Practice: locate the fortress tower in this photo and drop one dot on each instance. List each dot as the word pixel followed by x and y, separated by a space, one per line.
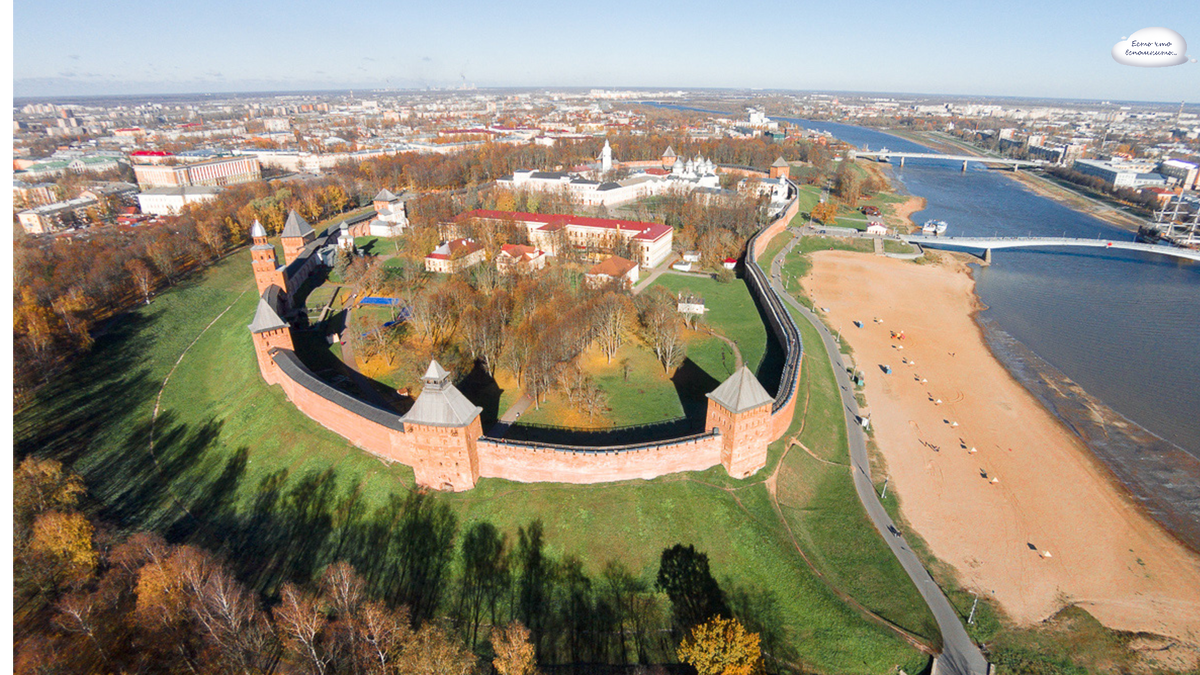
pixel 780 169
pixel 741 409
pixel 443 427
pixel 668 158
pixel 297 234
pixel 269 332
pixel 383 200
pixel 264 260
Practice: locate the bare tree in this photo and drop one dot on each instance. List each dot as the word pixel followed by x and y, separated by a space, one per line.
pixel 301 621
pixel 434 651
pixel 79 613
pixel 162 252
pixel 384 634
pixel 613 317
pixel 143 276
pixel 661 327
pixel 228 615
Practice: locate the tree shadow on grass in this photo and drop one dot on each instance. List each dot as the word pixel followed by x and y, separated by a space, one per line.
pixel 481 389
pixel 97 392
pixel 691 384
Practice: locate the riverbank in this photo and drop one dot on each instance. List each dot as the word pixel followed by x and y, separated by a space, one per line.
pixel 1045 188
pixel 994 483
pixel 1034 183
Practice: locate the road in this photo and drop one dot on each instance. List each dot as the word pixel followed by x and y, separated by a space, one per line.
pixel 960 655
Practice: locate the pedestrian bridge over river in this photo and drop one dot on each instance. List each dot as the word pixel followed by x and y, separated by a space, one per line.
pixel 986 244
pixel 888 155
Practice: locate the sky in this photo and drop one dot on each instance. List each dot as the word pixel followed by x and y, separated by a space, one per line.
pixel 1048 48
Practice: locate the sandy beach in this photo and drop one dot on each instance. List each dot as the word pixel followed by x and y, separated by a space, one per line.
pixel 996 485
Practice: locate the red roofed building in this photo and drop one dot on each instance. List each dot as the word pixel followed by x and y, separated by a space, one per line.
pixel 519 259
pixel 150 156
pixel 454 256
pixel 650 242
pixel 613 268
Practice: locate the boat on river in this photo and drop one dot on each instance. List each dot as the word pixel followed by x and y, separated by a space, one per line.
pixel 934 227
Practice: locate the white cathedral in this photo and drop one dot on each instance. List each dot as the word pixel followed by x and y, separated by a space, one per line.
pixel 685 175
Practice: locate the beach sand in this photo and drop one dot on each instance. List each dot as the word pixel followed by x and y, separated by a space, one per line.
pixel 1030 517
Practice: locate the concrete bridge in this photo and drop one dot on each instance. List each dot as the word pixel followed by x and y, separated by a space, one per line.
pixel 885 155
pixel 986 244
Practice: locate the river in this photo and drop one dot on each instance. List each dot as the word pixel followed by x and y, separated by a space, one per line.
pixel 1108 340
pixel 1124 325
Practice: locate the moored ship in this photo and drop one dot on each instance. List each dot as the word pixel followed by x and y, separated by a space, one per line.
pixel 934 227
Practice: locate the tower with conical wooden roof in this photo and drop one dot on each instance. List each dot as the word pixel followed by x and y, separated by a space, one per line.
pixel 269 331
pixel 264 260
pixel 668 157
pixel 741 409
pixel 297 234
pixel 781 168
pixel 443 428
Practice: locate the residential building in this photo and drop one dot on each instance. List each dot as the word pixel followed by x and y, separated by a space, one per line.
pixel 34 194
pixel 1121 173
pixel 690 304
pixel 519 259
pixel 169 201
pixel 454 256
pixel 612 269
pixel 55 167
pixel 219 172
pixel 1184 174
pixel 648 243
pixel 57 216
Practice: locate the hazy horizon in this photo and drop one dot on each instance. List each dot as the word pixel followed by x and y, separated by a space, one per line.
pixel 1025 49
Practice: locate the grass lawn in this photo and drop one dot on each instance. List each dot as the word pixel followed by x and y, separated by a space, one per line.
pixel 818 499
pixel 648 395
pixel 731 312
pixel 236 468
pixel 893 246
pixel 773 248
pixel 712 355
pixel 377 245
pixel 808 197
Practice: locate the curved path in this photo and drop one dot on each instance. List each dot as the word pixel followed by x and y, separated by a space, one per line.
pixel 960 655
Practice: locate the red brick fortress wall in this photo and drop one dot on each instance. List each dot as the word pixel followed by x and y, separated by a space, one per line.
pixel 455 459
pixel 536 463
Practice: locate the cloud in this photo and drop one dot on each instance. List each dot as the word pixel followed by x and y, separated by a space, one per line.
pixel 1151 48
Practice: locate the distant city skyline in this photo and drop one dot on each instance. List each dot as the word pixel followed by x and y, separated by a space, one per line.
pixel 1022 49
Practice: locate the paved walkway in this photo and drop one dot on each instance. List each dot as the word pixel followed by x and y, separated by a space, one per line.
pixel 506 420
pixel 645 283
pixel 960 655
